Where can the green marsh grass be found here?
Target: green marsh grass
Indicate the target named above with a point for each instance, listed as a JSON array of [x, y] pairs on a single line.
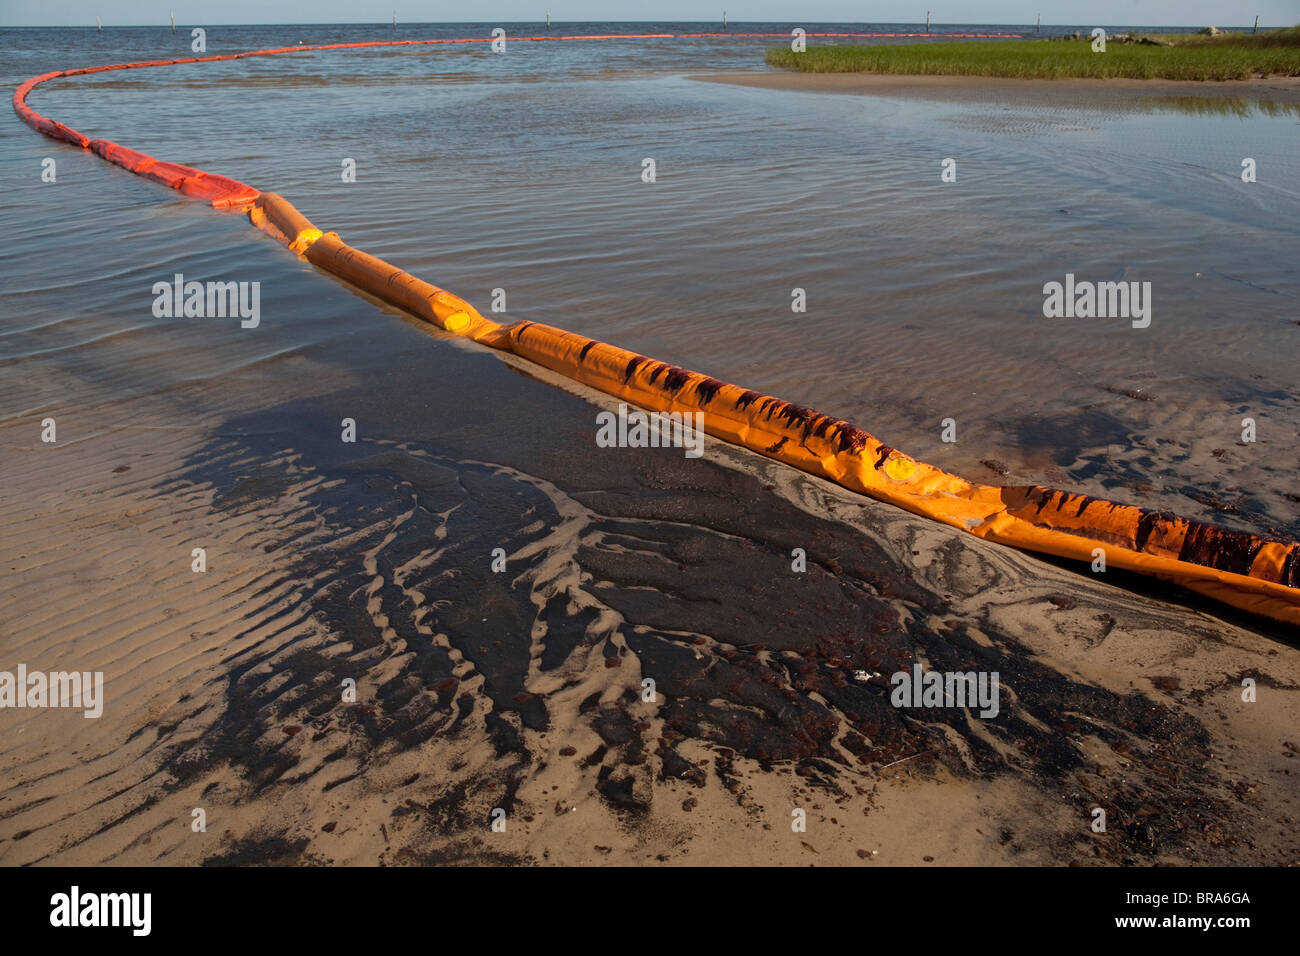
[[1240, 56]]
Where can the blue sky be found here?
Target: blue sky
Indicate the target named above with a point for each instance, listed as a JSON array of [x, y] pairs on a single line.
[[202, 12]]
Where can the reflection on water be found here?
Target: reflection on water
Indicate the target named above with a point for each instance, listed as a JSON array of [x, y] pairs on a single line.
[[1224, 106]]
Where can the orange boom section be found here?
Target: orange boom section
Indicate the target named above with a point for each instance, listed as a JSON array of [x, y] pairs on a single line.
[[1256, 574]]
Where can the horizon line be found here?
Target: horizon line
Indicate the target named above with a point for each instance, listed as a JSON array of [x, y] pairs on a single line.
[[422, 23]]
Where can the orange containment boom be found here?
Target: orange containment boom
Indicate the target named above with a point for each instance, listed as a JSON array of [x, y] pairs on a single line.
[[1246, 571]]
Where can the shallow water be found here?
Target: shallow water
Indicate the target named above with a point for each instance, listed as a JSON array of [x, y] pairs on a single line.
[[521, 171]]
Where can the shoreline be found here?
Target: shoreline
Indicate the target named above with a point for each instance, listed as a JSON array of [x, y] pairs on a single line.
[[477, 691], [1063, 92]]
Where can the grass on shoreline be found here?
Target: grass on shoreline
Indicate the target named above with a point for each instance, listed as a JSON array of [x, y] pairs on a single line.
[[1191, 57]]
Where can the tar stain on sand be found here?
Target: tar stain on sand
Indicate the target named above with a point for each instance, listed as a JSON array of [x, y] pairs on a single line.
[[752, 659]]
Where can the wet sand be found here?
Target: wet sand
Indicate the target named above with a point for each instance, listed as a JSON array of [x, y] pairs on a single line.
[[989, 89]]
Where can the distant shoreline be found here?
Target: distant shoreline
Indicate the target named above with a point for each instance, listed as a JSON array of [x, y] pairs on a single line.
[[1063, 92]]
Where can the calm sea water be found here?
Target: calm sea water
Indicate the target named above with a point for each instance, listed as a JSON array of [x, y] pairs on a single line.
[[522, 172]]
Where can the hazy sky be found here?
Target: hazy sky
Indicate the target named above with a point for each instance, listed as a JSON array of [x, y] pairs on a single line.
[[202, 12]]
